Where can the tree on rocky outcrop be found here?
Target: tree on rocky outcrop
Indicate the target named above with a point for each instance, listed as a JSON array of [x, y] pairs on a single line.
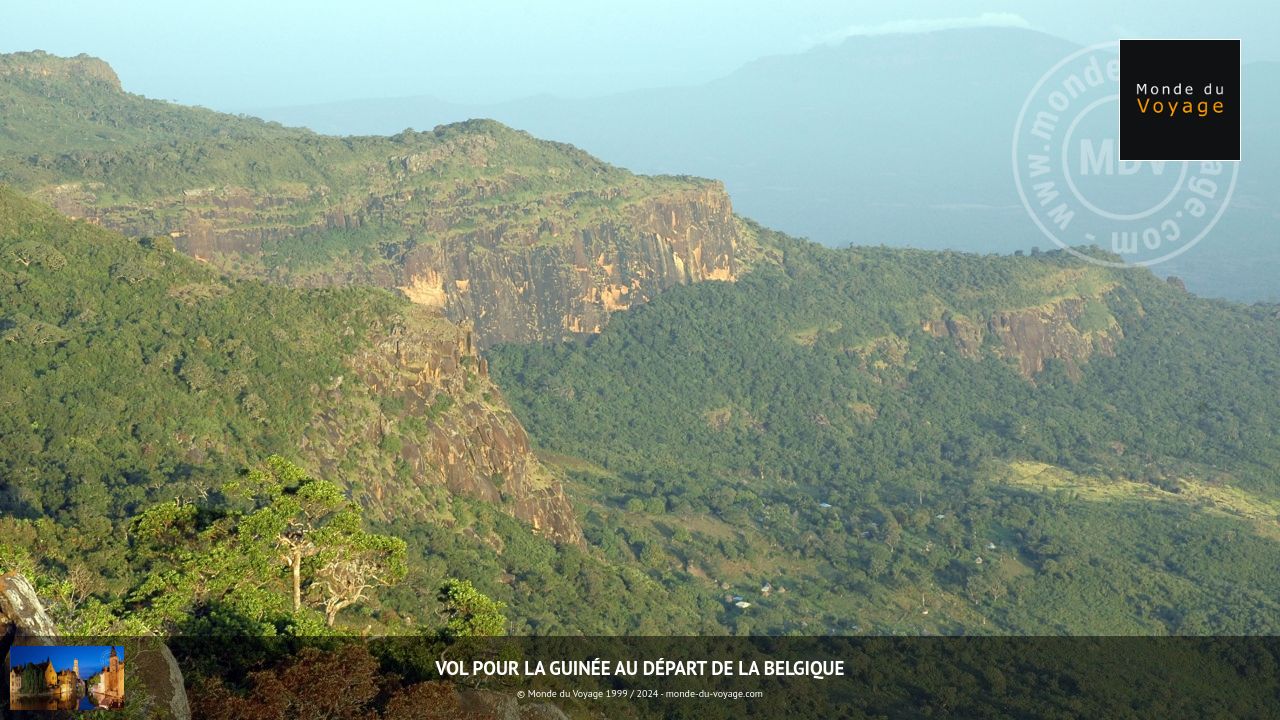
[[315, 526]]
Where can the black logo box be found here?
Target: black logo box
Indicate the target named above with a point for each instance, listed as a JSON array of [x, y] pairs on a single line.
[[1185, 67]]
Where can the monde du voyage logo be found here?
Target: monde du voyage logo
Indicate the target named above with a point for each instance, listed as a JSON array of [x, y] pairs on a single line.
[[1131, 147]]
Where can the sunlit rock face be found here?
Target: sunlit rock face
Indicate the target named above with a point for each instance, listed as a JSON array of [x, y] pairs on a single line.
[[516, 282], [528, 240], [419, 403]]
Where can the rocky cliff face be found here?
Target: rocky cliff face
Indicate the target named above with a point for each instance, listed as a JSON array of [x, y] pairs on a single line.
[[22, 615], [419, 404], [528, 240], [42, 66], [516, 286], [1070, 330], [386, 397], [556, 276]]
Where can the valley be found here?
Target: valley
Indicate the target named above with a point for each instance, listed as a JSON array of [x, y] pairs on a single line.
[[607, 402]]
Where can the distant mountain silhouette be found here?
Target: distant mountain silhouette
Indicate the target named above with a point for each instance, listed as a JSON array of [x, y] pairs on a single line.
[[895, 139]]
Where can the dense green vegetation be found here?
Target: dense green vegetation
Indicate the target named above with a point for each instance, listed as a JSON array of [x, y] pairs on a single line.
[[133, 378], [842, 441], [129, 369], [799, 429], [796, 431], [69, 120], [318, 207]]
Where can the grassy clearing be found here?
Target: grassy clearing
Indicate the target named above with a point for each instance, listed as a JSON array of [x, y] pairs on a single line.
[[1261, 512]]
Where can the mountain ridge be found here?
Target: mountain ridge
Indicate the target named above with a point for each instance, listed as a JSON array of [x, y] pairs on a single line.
[[43, 65], [526, 239], [900, 139], [868, 439], [400, 377], [927, 442]]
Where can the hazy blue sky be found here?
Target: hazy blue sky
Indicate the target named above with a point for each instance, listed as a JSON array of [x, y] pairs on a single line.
[[239, 54]]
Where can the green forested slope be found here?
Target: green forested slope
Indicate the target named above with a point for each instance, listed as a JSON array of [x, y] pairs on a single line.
[[133, 378], [524, 238], [128, 366], [857, 428], [69, 119], [812, 427]]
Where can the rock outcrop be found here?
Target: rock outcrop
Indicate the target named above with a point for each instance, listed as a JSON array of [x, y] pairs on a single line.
[[527, 239], [22, 616], [1068, 330], [154, 670], [515, 287], [516, 281], [42, 66], [433, 419]]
